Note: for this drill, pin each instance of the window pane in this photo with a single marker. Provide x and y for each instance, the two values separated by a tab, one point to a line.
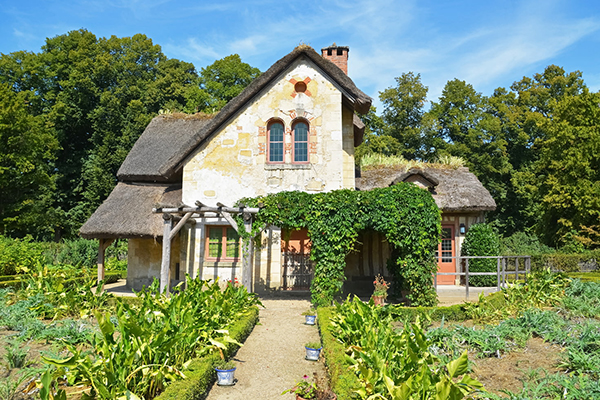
233	243
276	142
300	142
301	152
301	132
215	237
276	152
276	133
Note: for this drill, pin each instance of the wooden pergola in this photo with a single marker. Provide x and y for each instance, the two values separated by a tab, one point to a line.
182	215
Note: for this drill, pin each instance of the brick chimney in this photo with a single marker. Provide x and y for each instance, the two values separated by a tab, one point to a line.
337	55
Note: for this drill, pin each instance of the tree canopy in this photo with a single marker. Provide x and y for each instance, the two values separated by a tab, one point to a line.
94	97
514	141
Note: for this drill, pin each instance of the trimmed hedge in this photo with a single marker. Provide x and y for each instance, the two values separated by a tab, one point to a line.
343	380
201	374
20	282
579	262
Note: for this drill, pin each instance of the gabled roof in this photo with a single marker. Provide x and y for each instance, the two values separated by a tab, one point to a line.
458	189
158	154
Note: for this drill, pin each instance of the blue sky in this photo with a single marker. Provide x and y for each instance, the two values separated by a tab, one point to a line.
486	43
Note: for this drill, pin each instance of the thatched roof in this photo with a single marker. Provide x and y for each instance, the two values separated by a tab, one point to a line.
457	189
127	212
163	142
166	142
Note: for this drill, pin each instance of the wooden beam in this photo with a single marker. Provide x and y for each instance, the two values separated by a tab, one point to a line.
165	266
180	225
205	209
230	219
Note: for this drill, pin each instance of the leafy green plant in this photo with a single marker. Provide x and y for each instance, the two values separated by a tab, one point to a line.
481	240
145	346
313	345
15	355
393	365
404	213
303	388
16	254
10	387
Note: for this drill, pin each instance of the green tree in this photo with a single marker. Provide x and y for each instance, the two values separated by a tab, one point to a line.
98	95
218	83
403	110
569	171
524	112
471	131
26	151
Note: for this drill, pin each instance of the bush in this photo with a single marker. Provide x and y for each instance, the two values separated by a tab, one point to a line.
481	240
523	244
573	262
16	254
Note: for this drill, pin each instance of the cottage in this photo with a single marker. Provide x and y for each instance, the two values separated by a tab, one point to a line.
293	128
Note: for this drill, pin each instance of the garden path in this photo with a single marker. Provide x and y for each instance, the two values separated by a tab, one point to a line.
272	358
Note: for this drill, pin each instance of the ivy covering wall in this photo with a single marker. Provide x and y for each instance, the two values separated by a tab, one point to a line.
406	214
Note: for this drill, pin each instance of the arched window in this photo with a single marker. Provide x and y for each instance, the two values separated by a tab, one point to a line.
300	142
275	140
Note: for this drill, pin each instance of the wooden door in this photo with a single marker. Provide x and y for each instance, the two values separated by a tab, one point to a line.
297	269
446	256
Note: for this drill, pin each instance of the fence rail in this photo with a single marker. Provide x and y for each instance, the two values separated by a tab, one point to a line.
503	269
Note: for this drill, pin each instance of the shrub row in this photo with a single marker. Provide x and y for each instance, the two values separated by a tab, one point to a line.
343	380
16	254
201	374
581	262
20	281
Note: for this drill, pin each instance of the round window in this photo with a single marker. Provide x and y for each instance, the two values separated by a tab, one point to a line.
300	87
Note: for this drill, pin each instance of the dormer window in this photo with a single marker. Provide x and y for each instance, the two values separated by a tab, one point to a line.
300	142
275	139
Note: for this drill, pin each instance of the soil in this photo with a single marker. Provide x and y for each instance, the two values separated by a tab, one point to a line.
509	371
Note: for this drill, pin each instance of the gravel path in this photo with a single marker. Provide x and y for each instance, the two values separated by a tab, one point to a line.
272	358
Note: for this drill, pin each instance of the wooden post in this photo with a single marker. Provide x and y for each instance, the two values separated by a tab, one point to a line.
247	251
498	272
467	278
101	249
165	266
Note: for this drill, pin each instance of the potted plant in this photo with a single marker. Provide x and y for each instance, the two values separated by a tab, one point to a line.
303	389
380	292
313	350
310	316
225	371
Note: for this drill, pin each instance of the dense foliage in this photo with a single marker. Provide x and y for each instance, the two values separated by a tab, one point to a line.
396	365
19	256
533	146
142	347
404	213
481	240
70	114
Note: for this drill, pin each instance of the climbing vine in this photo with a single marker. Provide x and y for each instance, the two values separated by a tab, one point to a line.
406	214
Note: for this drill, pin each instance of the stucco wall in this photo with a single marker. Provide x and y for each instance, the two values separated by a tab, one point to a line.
232	164
144	258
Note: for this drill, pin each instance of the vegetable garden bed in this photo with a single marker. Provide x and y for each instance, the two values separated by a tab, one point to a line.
64	341
539	340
